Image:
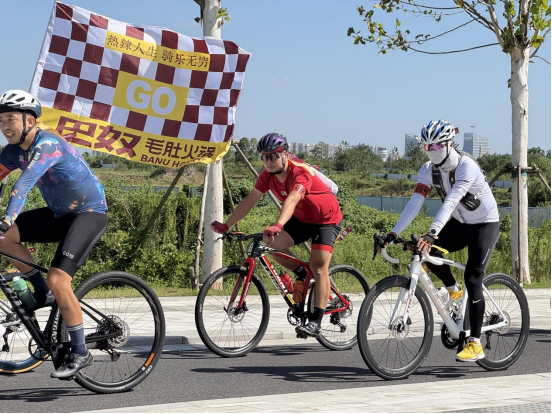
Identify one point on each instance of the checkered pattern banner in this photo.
(145, 93)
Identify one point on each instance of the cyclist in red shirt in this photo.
(310, 211)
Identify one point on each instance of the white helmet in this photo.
(20, 101)
(437, 131)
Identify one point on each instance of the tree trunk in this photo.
(519, 96)
(212, 250)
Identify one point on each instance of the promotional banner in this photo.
(145, 93)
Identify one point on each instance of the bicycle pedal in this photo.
(67, 379)
(301, 336)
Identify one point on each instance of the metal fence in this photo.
(414, 178)
(432, 205)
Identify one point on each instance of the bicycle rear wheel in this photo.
(123, 362)
(224, 328)
(390, 348)
(338, 331)
(503, 346)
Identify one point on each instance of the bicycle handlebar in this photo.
(425, 257)
(240, 236)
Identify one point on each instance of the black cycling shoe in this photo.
(311, 329)
(74, 364)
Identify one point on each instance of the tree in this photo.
(360, 159)
(520, 32)
(319, 152)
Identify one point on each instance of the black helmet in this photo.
(272, 142)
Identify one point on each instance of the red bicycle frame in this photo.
(250, 264)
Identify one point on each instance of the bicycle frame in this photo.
(256, 250)
(48, 345)
(416, 274)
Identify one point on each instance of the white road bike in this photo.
(395, 327)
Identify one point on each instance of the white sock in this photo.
(454, 288)
(476, 340)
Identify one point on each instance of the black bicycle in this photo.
(123, 322)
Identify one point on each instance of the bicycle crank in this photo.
(292, 318)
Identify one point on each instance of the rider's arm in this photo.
(415, 203)
(289, 207)
(244, 207)
(43, 158)
(466, 174)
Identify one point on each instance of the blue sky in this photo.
(308, 81)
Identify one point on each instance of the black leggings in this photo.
(480, 240)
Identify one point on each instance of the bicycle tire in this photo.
(118, 278)
(226, 331)
(511, 340)
(335, 333)
(374, 331)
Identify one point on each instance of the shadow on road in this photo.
(311, 374)
(40, 395)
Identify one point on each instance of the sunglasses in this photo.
(271, 156)
(434, 147)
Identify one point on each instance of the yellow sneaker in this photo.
(471, 352)
(456, 295)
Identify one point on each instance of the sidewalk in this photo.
(179, 315)
(514, 394)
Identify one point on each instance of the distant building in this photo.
(476, 145)
(410, 139)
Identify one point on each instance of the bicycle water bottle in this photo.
(288, 283)
(444, 297)
(23, 293)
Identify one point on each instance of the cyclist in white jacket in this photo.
(467, 197)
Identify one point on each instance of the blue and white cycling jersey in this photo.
(64, 179)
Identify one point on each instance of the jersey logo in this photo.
(283, 193)
(421, 189)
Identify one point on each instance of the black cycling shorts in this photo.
(76, 233)
(323, 235)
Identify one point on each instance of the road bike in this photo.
(124, 327)
(232, 308)
(395, 327)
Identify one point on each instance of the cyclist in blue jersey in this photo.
(75, 217)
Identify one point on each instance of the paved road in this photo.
(188, 373)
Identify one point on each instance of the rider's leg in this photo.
(59, 282)
(82, 231)
(482, 241)
(451, 238)
(319, 264)
(282, 242)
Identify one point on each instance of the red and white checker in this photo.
(78, 74)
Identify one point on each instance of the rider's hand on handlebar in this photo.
(219, 228)
(426, 242)
(383, 243)
(272, 231)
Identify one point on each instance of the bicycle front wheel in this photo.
(338, 330)
(122, 362)
(391, 348)
(227, 329)
(503, 346)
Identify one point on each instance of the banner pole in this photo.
(33, 88)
